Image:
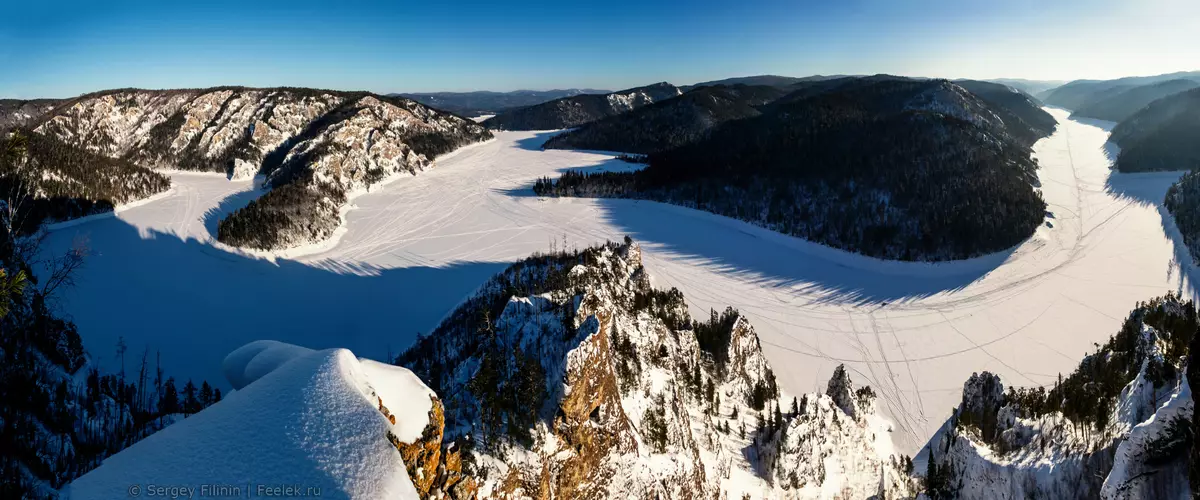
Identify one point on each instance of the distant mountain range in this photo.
(573, 111)
(1077, 94)
(1121, 102)
(765, 80)
(484, 102)
(1031, 87)
(669, 123)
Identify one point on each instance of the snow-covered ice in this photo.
(412, 250)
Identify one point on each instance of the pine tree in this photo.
(170, 398)
(190, 403)
(795, 407)
(206, 395)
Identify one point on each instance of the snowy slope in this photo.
(300, 418)
(912, 332)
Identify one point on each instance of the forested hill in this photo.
(1075, 95)
(887, 167)
(1161, 136)
(575, 111)
(1022, 114)
(1124, 103)
(485, 102)
(668, 123)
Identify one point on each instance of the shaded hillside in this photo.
(314, 147)
(575, 111)
(1162, 136)
(890, 168)
(668, 123)
(488, 103)
(1022, 114)
(1127, 101)
(20, 113)
(55, 181)
(1075, 95)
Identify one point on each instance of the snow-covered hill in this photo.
(315, 148)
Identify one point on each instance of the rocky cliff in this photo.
(570, 376)
(1119, 427)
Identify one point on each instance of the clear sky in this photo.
(56, 49)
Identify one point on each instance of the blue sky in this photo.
(57, 49)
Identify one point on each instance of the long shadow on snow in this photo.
(219, 300)
(1150, 189)
(535, 143)
(776, 260)
(229, 205)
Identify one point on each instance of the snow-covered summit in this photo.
(299, 418)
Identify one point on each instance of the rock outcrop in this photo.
(573, 378)
(1119, 427)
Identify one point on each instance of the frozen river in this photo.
(413, 249)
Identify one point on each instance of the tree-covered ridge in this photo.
(1022, 114)
(486, 102)
(1077, 94)
(573, 111)
(668, 123)
(50, 180)
(1123, 102)
(1161, 136)
(890, 168)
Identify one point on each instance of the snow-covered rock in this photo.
(300, 418)
(572, 377)
(1117, 428)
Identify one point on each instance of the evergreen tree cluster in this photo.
(45, 179)
(1183, 202)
